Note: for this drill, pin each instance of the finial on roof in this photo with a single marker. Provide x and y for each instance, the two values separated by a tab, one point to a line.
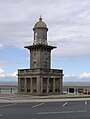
40	18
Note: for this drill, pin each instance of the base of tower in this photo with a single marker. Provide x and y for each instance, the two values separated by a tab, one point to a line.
40	81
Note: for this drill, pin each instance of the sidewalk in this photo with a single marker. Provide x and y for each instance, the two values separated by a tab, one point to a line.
17	98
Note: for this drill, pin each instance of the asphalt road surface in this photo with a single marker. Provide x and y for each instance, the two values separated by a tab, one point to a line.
47	110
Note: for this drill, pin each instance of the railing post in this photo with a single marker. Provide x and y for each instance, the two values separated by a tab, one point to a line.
0	90
11	90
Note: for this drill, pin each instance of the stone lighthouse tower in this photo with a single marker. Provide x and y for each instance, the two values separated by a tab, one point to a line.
40	78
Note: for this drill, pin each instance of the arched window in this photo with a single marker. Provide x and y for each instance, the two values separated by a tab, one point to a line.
45	65
34	64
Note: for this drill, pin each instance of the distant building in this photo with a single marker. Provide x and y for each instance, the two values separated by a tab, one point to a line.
76	88
40	78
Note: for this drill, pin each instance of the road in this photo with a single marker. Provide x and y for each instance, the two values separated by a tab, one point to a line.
46	110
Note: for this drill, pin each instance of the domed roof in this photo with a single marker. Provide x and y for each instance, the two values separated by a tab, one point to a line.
40	24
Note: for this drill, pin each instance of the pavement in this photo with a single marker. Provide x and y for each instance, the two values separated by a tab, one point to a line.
18	98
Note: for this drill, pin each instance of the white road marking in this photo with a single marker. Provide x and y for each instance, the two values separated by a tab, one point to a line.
62	112
85	102
37	105
7	105
64	104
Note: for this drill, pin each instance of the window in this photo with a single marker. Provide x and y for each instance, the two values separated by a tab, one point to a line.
34	53
45	53
34	65
71	90
45	64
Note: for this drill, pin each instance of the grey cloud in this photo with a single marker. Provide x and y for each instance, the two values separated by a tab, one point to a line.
84	77
72	47
15	33
66	25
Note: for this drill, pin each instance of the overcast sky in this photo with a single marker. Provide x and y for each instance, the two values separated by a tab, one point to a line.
69	29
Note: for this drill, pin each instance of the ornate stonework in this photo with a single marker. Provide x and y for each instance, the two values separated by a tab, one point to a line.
40	78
